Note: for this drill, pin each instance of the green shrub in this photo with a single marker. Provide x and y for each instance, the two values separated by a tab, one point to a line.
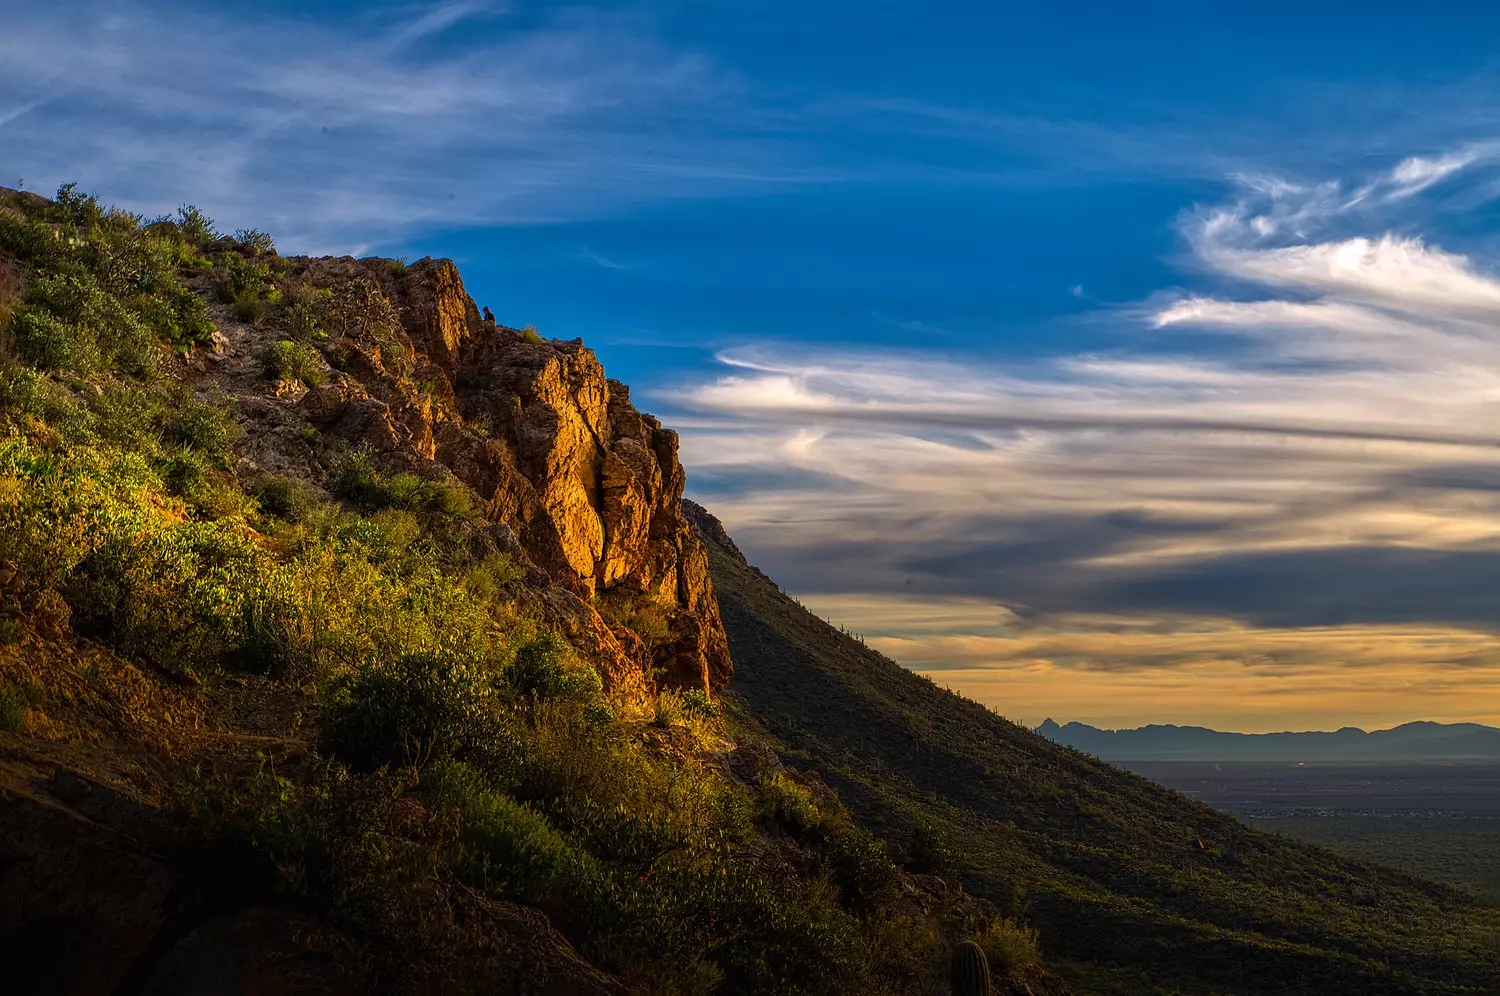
284	497
860	866
361	483
509	849
251	308
300	323
195	226
13	706
287	360
789	805
546	668
697	705
358	481
259	243
80	210
202	426
70	323
236	278
529	334
44	340
928	850
1009	945
666	710
421	707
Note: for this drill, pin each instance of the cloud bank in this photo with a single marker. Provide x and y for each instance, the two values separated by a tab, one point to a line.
1289	478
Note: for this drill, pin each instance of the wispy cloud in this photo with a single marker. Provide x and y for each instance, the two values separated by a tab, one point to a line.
1331	457
337	135
604	261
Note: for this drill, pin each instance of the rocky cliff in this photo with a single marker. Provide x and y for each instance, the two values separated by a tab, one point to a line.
581	488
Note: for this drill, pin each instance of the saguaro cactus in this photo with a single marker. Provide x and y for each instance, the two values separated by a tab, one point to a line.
970	971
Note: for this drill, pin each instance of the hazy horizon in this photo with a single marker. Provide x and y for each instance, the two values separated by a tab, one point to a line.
1128	366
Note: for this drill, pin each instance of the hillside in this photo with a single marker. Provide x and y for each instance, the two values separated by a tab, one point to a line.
1408	742
1135	888
353	642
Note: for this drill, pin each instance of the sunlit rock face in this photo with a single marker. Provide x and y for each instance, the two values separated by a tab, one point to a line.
584	489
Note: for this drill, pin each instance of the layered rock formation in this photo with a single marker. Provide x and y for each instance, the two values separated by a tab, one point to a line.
581	487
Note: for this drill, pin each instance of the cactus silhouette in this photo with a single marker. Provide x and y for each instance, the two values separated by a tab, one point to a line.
970	972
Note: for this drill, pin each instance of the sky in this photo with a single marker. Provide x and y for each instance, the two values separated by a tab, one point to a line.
1114	362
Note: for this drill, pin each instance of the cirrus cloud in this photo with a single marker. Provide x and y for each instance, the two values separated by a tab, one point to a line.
1294	476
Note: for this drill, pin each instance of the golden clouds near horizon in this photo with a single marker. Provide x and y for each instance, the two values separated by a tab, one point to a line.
1124	671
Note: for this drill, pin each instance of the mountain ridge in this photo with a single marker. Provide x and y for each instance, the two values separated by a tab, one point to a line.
1418	740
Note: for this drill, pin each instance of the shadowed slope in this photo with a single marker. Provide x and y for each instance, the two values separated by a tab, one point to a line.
1138	887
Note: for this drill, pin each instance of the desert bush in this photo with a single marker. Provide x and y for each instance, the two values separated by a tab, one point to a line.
529	334
70	323
928	850
300	323
79	210
287	360
861	867
420	707
202	426
46	341
360	482
789	805
13	706
236	278
1009	945
195	226
284	497
697	705
546	668
642	615
253	309
259	243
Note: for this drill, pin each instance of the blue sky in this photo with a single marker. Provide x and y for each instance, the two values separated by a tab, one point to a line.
1121	362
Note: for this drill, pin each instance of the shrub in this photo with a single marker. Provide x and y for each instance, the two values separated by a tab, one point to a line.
421	707
287	360
251	308
789	805
509	849
44	340
1009	945
644	616
284	497
300	323
927	849
13	705
666	710
697	704
195	226
70	323
202	426
546	669
495	577
80	210
529	334
860	866
360	482
259	243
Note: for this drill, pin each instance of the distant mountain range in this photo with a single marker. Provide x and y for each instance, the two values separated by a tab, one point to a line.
1408	742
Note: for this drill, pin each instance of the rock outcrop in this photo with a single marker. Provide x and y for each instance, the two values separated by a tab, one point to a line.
580	487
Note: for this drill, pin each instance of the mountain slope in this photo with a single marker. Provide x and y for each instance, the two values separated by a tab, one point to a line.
1135	887
350	643
1408	742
